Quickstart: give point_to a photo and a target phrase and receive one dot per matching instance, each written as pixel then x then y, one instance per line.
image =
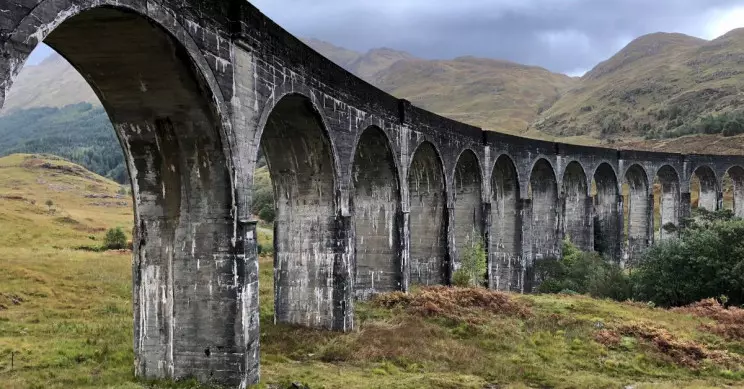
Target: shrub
pixel 472 271
pixel 115 239
pixel 585 273
pixel 707 260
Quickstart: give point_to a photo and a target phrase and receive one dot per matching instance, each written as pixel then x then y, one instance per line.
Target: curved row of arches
pixel 599 210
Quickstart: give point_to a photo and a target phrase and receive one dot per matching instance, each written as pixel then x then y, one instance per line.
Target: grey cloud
pixel 561 35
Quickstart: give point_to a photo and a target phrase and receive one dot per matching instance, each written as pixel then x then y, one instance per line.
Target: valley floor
pixel 66 319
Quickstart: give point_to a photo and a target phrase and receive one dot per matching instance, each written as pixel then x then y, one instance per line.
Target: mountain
pixel 659 86
pixel 494 94
pixel 51 83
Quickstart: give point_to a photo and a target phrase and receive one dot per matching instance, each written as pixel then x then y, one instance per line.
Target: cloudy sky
pixel 568 36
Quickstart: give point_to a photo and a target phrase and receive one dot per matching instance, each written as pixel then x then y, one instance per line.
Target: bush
pixel 472 271
pixel 707 260
pixel 585 273
pixel 115 239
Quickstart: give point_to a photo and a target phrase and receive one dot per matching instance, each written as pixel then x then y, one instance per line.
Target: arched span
pixel 669 201
pixel 428 215
pixel 577 211
pixel 289 89
pixel 507 270
pixel 544 195
pixel 376 212
pixel 736 175
pixel 468 205
pixel 637 208
pixel 706 188
pixel 607 228
pixel 171 121
pixel 299 156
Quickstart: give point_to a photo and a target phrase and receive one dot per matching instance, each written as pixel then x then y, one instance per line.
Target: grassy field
pixel 66 318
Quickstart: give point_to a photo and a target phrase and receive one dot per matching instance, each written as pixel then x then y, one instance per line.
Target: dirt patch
pixel 459 304
pixel 729 321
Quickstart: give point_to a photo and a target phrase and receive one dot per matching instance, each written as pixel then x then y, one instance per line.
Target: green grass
pixel 66 320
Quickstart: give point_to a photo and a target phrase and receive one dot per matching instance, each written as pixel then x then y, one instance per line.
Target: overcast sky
pixel 568 36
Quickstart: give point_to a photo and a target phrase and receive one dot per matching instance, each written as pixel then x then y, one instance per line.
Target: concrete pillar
pixel 251 308
pixel 651 234
pixel 405 249
pixel 719 200
pixel 343 275
pixel 685 209
pixel 452 265
pixel 525 271
pixel 619 216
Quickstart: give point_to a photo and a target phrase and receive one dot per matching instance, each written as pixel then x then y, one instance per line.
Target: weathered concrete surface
pixel 468 209
pixel 607 213
pixel 505 247
pixel 376 206
pixel 372 193
pixel 577 207
pixel 428 218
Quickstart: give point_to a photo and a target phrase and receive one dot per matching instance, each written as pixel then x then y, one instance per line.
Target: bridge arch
pixel 637 214
pixel 376 209
pixel 606 212
pixel 172 122
pixel 505 246
pixel 668 183
pixel 707 188
pixel 543 192
pixel 299 156
pixel 736 175
pixel 428 217
pixel 468 204
pixel 576 211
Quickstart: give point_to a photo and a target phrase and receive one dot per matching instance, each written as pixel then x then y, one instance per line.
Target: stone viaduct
pixel 372 193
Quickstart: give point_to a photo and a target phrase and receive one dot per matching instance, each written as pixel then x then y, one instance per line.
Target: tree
pixel 115 239
pixel 49 204
pixel 473 264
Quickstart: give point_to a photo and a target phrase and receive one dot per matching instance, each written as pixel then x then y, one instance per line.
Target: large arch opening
pixel 428 215
pixel 506 227
pixel 666 202
pixel 299 158
pixel 376 210
pixel 577 222
pixel 637 212
pixel 166 115
pixel 606 213
pixel 468 205
pixel 704 189
pixel 543 191
pixel 733 188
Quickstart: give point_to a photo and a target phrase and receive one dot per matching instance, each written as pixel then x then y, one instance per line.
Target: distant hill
pixel 494 94
pixel 51 83
pixel 659 86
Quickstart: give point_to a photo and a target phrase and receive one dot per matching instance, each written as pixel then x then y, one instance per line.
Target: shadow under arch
pixel 637 214
pixel 606 201
pixel 300 160
pixel 736 175
pixel 376 210
pixel 576 206
pixel 668 202
pixel 707 188
pixel 468 205
pixel 543 192
pixel 506 270
pixel 429 262
pixel 167 112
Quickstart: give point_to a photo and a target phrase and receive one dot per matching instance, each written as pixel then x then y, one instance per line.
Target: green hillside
pixel 81 133
pixel 659 86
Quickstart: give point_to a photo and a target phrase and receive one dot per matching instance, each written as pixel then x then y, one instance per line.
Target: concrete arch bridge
pixel 372 194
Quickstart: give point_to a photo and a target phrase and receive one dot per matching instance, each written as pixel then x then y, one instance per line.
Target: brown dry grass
pixel 683 352
pixel 458 304
pixel 729 322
